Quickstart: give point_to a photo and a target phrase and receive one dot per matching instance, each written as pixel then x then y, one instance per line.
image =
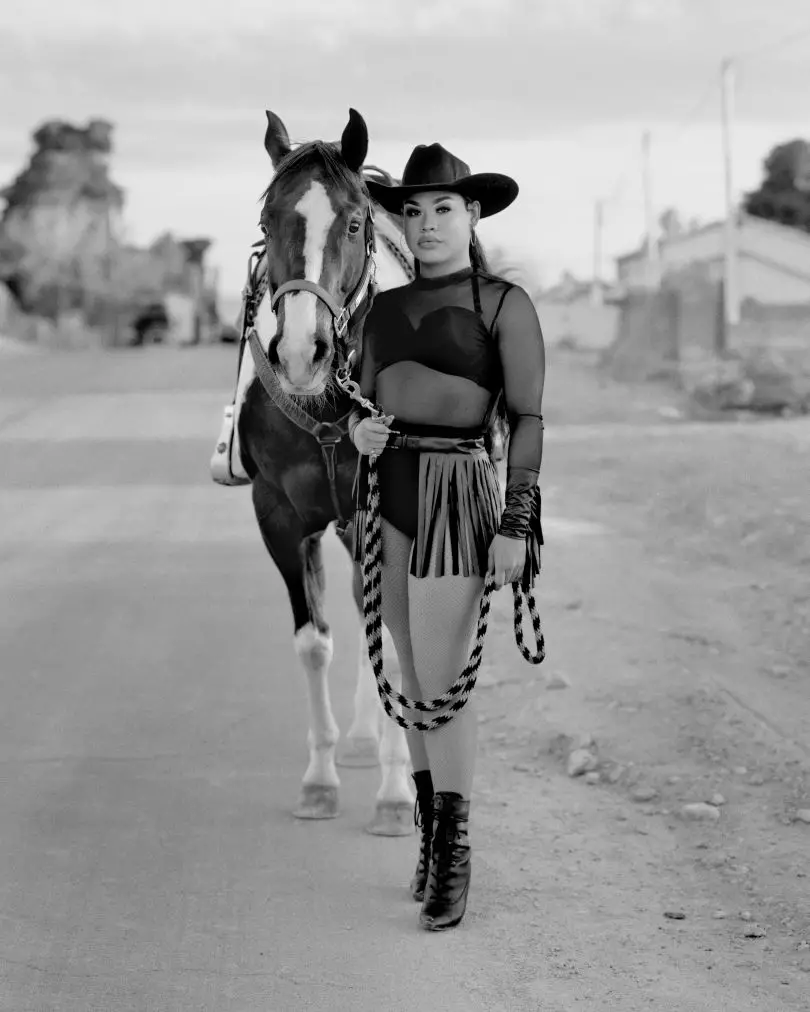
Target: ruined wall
pixel 62 255
pixel 58 229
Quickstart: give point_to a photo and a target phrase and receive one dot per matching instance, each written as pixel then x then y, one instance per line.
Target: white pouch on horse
pixel 226 462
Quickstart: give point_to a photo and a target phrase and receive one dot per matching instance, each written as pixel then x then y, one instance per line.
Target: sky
pixel 556 93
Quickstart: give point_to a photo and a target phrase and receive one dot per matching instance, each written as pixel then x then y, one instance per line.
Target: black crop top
pixel 452 339
pixel 439 351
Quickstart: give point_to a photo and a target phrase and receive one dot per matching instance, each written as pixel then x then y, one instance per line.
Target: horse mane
pixel 324 155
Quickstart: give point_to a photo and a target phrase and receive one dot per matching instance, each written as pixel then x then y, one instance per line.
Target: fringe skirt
pixel 450 503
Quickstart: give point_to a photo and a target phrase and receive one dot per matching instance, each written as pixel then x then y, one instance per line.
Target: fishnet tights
pixel 432 621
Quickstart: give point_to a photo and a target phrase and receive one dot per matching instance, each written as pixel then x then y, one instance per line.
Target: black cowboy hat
pixel 432 167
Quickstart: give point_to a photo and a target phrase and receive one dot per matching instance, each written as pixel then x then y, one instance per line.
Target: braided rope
pixel 398 255
pixel 455 698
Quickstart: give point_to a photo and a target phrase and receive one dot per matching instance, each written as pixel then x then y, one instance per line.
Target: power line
pixel 773 46
pixel 621 181
pixel 681 127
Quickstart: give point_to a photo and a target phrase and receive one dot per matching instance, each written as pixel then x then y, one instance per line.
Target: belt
pixel 434 444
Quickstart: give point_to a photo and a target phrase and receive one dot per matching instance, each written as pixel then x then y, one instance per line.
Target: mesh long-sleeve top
pixel 431 356
pixel 438 354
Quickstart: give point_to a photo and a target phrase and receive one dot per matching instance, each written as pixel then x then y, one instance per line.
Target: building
pixel 578 313
pixel 773 266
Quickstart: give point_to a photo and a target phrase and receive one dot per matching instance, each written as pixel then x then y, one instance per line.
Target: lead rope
pixel 459 692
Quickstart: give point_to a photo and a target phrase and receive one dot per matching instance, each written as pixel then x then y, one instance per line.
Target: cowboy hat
pixel 432 167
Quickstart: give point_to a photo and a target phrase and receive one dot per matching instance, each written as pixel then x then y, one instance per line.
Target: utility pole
pixel 653 267
pixel 596 282
pixel 731 295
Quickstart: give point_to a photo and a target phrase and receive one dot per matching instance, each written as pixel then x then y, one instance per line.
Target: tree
pixel 670 223
pixel 784 194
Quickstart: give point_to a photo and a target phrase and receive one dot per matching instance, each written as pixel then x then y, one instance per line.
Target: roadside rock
pixel 557 680
pixel 699 811
pixel 613 773
pixel 580 761
pixel 642 794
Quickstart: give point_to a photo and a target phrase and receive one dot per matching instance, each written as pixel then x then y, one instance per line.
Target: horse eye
pixel 354 228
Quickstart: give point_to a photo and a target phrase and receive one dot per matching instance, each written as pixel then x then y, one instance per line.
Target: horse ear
pixel 354 142
pixel 276 139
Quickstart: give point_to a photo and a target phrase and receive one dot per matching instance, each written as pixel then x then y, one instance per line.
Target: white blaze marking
pixel 300 308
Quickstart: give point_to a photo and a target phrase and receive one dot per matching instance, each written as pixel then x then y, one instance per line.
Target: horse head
pixel 319 237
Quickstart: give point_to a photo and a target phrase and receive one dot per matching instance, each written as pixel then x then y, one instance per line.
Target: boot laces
pixel 446 836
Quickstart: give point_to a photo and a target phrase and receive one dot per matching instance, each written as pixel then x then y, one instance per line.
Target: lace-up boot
pixel 450 863
pixel 423 820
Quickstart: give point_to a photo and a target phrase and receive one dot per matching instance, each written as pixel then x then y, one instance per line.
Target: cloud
pixel 505 67
pixel 556 91
pixel 347 19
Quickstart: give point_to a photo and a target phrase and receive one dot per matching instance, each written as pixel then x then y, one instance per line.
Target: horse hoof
pixel 359 753
pixel 317 802
pixel 391 819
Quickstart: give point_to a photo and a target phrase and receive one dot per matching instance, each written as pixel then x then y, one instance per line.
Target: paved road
pixel 152 730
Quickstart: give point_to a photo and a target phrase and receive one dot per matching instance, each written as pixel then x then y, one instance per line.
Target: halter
pixel 341 315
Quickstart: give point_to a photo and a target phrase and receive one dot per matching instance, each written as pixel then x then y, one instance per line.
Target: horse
pixel 320 230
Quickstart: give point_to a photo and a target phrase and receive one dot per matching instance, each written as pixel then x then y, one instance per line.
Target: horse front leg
pixel 376 738
pixel 362 745
pixel 313 643
pixel 393 809
pixel 299 562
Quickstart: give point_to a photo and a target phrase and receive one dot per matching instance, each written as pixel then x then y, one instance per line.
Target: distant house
pixel 570 290
pixel 569 313
pixel 773 265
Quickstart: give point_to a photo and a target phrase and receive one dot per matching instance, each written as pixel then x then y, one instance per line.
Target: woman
pixel 439 356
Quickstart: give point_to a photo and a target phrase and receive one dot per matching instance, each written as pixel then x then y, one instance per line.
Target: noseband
pixel 341 315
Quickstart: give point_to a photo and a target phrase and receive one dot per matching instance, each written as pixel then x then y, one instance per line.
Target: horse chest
pixel 306 485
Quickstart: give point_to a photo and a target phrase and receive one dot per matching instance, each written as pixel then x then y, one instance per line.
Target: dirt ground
pixel 675 604
pixel 676 612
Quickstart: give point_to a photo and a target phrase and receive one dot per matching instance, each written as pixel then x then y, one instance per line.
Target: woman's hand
pixel 507 557
pixel 371 434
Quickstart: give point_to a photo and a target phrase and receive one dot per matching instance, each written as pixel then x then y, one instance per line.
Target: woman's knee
pixel 410 682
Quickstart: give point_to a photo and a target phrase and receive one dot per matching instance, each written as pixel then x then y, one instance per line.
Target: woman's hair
pixel 478 257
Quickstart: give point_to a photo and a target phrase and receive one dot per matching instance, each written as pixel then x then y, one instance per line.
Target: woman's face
pixel 438 226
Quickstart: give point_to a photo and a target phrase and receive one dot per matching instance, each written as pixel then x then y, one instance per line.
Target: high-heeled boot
pixel 450 863
pixel 423 820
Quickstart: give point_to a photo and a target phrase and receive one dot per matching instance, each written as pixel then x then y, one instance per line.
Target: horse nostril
pixel 272 352
pixel 321 349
